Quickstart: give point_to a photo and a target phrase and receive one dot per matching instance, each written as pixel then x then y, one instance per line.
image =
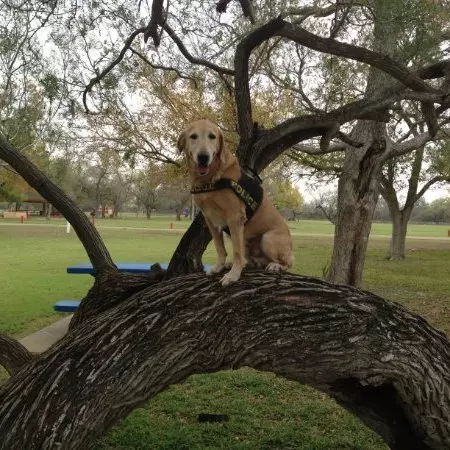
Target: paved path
pixel 41 340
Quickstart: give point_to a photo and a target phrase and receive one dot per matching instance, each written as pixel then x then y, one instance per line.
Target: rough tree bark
pixel 357 198
pixel 358 187
pixel 381 362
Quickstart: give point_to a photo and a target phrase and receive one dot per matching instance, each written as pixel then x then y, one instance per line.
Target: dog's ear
pixel 181 143
pixel 222 148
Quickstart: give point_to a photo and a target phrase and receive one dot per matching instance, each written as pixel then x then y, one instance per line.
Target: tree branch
pixel 381 362
pixel 417 142
pixel 86 232
pixel 246 5
pixel 429 183
pixel 375 59
pixel 241 82
pixel 275 140
pixel 110 66
pixel 316 151
pixel 436 70
pixel 13 355
pixel 167 68
pixel 155 19
pixel 193 59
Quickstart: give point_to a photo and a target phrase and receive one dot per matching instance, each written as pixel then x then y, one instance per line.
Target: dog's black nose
pixel 203 159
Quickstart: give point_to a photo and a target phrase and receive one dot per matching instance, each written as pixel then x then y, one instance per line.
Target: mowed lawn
pixel 265 411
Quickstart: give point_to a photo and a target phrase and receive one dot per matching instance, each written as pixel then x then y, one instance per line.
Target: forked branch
pixel 87 233
pixel 13 355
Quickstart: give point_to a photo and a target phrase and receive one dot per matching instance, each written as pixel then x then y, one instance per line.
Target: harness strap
pixel 248 189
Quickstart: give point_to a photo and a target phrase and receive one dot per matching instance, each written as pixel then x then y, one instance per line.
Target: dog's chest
pixel 214 212
pixel 217 209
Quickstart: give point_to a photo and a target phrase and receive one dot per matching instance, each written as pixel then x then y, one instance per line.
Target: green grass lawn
pixel 166 222
pixel 265 411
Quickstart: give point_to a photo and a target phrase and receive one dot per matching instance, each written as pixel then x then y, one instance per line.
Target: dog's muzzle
pixel 203 160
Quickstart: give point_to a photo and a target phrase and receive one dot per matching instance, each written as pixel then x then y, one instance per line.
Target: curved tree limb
pixel 375 59
pixel 241 81
pixel 429 183
pixel 110 66
pixel 386 365
pixel 159 66
pixel 86 232
pixel 155 19
pixel 246 5
pixel 418 141
pixel 13 355
pixel 192 59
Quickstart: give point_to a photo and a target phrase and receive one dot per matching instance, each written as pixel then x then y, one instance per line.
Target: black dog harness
pixel 248 188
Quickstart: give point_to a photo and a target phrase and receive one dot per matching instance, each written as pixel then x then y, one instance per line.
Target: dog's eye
pixel 212 136
pixel 193 136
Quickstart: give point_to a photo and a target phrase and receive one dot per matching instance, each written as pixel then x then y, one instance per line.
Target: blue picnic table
pixel 87 268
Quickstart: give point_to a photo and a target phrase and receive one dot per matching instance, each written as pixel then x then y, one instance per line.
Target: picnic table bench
pixel 87 268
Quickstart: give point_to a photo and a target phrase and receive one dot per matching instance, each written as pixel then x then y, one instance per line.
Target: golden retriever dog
pixel 263 240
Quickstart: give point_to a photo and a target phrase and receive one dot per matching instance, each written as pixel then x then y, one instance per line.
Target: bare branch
pixel 417 142
pixel 155 19
pixel 87 233
pixel 375 59
pixel 242 89
pixel 348 140
pixel 316 11
pixel 13 355
pixel 426 186
pixel 430 116
pixel 274 141
pixel 193 59
pixel 167 68
pixel 435 70
pixel 111 65
pixel 329 134
pixel 337 24
pixel 246 5
pixel 247 9
pixel 222 5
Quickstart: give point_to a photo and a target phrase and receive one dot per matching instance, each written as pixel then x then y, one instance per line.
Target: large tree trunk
pixel 348 343
pixel 358 188
pixel 357 198
pixel 397 245
pixel 400 216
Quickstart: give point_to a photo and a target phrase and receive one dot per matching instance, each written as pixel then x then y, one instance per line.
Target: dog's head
pixel 202 143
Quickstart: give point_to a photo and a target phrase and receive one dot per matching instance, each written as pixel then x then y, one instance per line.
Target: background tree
pixel 391 181
pixel 146 183
pixel 174 189
pixel 438 211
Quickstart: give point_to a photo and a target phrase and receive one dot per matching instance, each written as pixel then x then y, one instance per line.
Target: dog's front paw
pixel 217 268
pixel 274 267
pixel 230 277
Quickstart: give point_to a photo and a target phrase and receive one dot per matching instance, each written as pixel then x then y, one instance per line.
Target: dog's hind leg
pixel 277 247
